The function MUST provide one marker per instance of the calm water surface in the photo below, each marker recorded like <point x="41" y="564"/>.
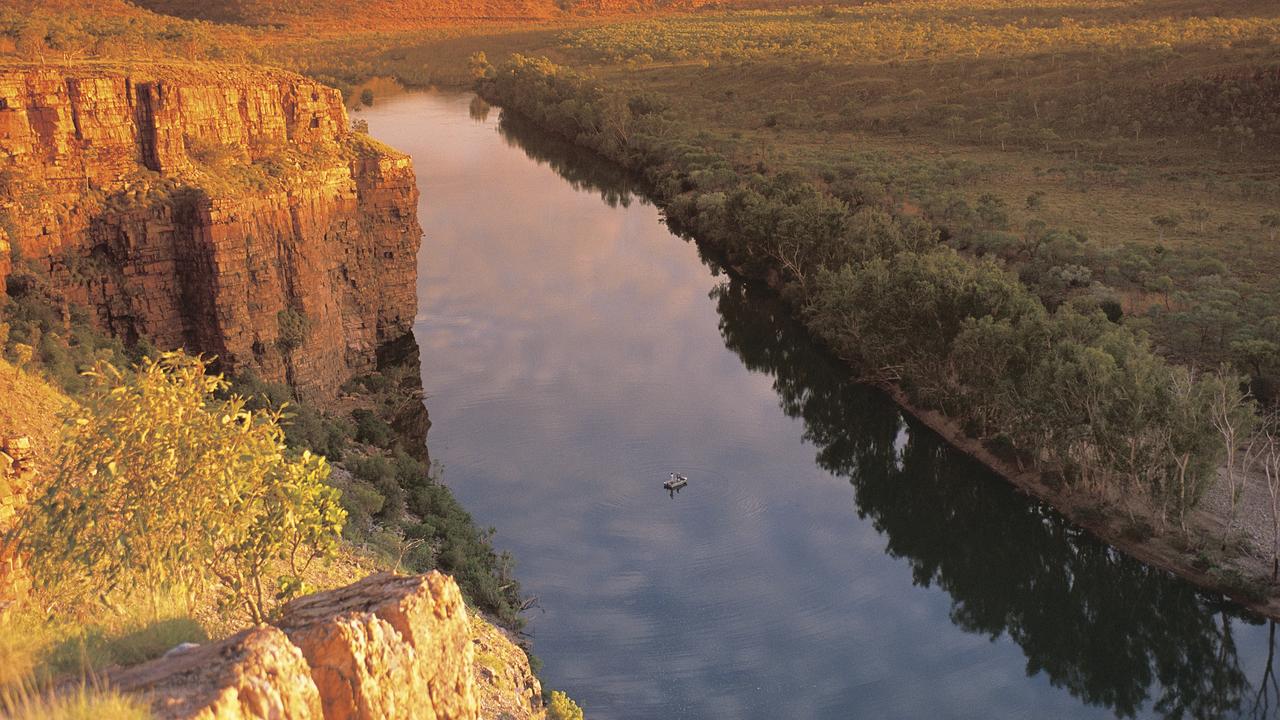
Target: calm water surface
<point x="829" y="558"/>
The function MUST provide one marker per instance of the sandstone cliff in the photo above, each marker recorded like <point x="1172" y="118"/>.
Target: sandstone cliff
<point x="385" y="647"/>
<point x="228" y="210"/>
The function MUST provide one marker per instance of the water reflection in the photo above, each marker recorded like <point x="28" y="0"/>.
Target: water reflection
<point x="1111" y="630"/>
<point x="583" y="170"/>
<point x="570" y="347"/>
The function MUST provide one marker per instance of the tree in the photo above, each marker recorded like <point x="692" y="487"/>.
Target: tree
<point x="160" y="485"/>
<point x="1191" y="446"/>
<point x="1263" y="453"/>
<point x="1165" y="223"/>
<point x="479" y="65"/>
<point x="992" y="211"/>
<point x="1199" y="215"/>
<point x="31" y="39"/>
<point x="1255" y="354"/>
<point x="1232" y="415"/>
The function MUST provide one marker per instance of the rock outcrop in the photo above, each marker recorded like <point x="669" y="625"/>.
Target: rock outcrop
<point x="387" y="647"/>
<point x="256" y="673"/>
<point x="506" y="688"/>
<point x="228" y="210"/>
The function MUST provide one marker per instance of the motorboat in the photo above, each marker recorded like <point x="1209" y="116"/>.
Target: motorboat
<point x="675" y="482"/>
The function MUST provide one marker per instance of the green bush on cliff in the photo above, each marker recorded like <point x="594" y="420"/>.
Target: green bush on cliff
<point x="294" y="327"/>
<point x="160" y="484"/>
<point x="304" y="426"/>
<point x="561" y="707"/>
<point x="63" y="341"/>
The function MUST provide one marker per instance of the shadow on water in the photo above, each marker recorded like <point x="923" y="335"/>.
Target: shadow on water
<point x="582" y="169"/>
<point x="1112" y="631"/>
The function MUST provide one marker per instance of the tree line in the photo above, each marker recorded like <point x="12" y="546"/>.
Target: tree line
<point x="1069" y="390"/>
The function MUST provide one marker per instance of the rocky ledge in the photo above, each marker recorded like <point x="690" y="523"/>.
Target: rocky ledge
<point x="385" y="647"/>
<point x="225" y="209"/>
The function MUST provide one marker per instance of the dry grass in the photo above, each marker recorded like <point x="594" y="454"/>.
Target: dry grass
<point x="30" y="406"/>
<point x="84" y="703"/>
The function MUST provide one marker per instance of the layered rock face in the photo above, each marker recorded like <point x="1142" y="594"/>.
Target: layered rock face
<point x="387" y="646"/>
<point x="226" y="210"/>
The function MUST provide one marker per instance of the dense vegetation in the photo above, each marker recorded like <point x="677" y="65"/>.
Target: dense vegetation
<point x="159" y="487"/>
<point x="1067" y="388"/>
<point x="396" y="505"/>
<point x="1011" y="568"/>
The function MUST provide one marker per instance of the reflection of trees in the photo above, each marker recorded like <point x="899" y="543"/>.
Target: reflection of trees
<point x="1111" y="630"/>
<point x="583" y="169"/>
<point x="1266" y="699"/>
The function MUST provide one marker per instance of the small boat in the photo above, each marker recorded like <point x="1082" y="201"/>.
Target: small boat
<point x="675" y="482"/>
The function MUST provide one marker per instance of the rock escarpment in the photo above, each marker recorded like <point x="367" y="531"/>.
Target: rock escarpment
<point x="228" y="210"/>
<point x="387" y="646"/>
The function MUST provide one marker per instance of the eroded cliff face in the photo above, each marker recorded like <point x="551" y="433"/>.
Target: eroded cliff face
<point x="228" y="210"/>
<point x="385" y="648"/>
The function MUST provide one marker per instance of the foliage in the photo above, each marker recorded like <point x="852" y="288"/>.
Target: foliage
<point x="294" y="329"/>
<point x="159" y="485"/>
<point x="372" y="429"/>
<point x="305" y="427"/>
<point x="1083" y="395"/>
<point x="561" y="707"/>
<point x="55" y="338"/>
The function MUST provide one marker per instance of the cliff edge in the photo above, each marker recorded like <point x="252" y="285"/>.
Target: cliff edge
<point x="386" y="647"/>
<point x="226" y="209"/>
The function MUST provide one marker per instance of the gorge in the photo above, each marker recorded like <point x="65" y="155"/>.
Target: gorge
<point x="574" y="350"/>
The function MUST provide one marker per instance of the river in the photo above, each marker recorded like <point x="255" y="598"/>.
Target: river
<point x="830" y="558"/>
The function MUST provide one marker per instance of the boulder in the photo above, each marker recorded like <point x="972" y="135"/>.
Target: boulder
<point x="388" y="647"/>
<point x="256" y="673"/>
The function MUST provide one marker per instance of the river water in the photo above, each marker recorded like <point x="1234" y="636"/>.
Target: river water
<point x="829" y="558"/>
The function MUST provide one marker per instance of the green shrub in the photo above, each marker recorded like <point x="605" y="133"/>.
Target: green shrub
<point x="372" y="429"/>
<point x="562" y="708"/>
<point x="160" y="484"/>
<point x="294" y="328"/>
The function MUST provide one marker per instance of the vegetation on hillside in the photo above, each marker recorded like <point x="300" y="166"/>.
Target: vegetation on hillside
<point x="159" y="486"/>
<point x="1109" y="152"/>
<point x="1067" y="388"/>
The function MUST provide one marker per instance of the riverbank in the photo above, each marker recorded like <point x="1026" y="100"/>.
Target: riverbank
<point x="1112" y="504"/>
<point x="1135" y="535"/>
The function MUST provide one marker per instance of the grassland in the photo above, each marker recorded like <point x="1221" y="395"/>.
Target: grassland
<point x="1147" y="129"/>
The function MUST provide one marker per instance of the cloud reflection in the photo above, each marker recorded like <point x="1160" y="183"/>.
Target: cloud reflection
<point x="573" y="355"/>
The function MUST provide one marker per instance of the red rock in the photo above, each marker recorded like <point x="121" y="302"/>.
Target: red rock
<point x="109" y="188"/>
